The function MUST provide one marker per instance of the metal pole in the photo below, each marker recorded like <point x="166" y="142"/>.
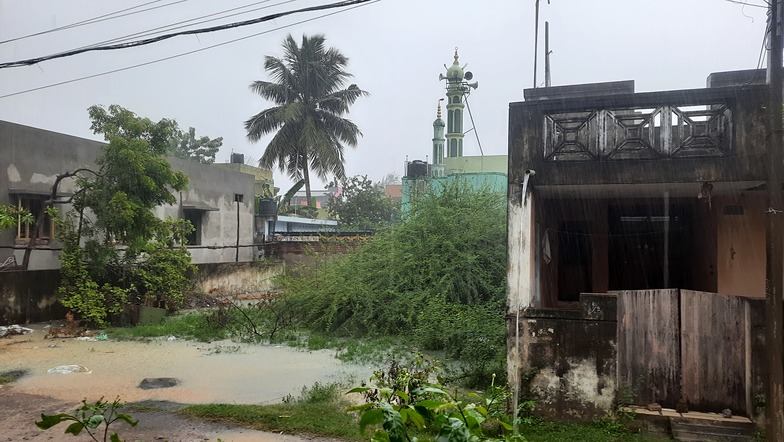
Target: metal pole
<point x="237" y="254"/>
<point x="547" y="54"/>
<point x="774" y="313"/>
<point x="536" y="39"/>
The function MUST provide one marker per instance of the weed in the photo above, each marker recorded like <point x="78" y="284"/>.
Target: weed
<point x="88" y="418"/>
<point x="320" y="393"/>
<point x="396" y="416"/>
<point x="193" y="325"/>
<point x="525" y="413"/>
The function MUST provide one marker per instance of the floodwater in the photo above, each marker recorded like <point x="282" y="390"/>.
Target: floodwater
<point x="219" y="372"/>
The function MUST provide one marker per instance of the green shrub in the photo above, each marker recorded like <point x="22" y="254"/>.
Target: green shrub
<point x="437" y="277"/>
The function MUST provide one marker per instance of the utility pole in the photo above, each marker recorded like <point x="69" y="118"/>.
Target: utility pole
<point x="774" y="311"/>
<point x="536" y="39"/>
<point x="547" y="54"/>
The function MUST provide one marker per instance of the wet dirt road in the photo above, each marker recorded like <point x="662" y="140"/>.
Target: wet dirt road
<point x="222" y="372"/>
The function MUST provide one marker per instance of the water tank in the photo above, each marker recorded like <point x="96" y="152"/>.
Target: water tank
<point x="416" y="169"/>
<point x="268" y="207"/>
<point x="237" y="158"/>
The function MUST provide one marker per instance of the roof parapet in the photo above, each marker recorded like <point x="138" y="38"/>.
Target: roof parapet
<point x="579" y="90"/>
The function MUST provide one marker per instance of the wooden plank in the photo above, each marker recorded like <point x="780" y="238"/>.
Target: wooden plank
<point x="649" y="346"/>
<point x="713" y="351"/>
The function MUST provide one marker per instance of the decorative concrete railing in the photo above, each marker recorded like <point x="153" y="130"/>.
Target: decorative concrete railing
<point x="623" y="133"/>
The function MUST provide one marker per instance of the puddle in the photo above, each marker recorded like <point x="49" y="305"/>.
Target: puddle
<point x="249" y="374"/>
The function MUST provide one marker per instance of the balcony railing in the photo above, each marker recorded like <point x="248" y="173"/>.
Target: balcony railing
<point x="625" y="133"/>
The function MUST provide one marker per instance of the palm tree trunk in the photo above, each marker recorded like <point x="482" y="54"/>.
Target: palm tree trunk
<point x="306" y="177"/>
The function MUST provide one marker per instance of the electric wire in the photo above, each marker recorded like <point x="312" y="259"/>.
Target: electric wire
<point x="97" y="19"/>
<point x="113" y="71"/>
<point x="173" y="26"/>
<point x="746" y="3"/>
<point x="148" y="41"/>
<point x="470" y="115"/>
<point x="760" y="59"/>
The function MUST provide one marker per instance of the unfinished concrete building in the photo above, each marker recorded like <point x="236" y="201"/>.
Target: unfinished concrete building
<point x="637" y="245"/>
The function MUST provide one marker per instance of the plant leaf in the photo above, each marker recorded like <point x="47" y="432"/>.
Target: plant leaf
<point x="50" y="420"/>
<point x="358" y="390"/>
<point x="393" y="423"/>
<point x="75" y="428"/>
<point x="370" y="417"/>
<point x="431" y="404"/>
<point x="95" y="420"/>
<point x="434" y="390"/>
<point x="415" y="417"/>
<point x="127" y="419"/>
<point x="402" y="395"/>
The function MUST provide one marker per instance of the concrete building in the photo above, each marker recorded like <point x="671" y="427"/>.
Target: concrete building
<point x="637" y="245"/>
<point x="219" y="201"/>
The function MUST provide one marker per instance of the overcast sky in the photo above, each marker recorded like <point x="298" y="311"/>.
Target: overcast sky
<point x="396" y="49"/>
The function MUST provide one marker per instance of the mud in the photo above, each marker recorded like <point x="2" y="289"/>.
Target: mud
<point x="222" y="372"/>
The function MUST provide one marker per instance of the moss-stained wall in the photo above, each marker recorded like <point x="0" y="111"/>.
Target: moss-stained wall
<point x="29" y="296"/>
<point x="234" y="278"/>
<point x="32" y="296"/>
<point x="572" y="356"/>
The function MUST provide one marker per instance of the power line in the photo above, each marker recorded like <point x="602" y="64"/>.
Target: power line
<point x="368" y="2"/>
<point x="32" y="61"/>
<point x="745" y="3"/>
<point x="97" y="19"/>
<point x="172" y="26"/>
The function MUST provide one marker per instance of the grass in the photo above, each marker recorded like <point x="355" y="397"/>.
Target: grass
<point x="317" y="419"/>
<point x="199" y="326"/>
<point x="189" y="326"/>
<point x="368" y="350"/>
<point x="320" y="410"/>
<point x="329" y="419"/>
<point x="610" y="431"/>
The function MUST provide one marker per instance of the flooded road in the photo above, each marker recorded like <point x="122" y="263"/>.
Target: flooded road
<point x="219" y="372"/>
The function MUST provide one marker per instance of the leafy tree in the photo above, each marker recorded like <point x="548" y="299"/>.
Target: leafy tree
<point x="307" y="119"/>
<point x="362" y="204"/>
<point x="123" y="251"/>
<point x="10" y="216"/>
<point x="187" y="146"/>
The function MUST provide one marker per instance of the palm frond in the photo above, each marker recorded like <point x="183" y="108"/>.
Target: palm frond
<point x="277" y="93"/>
<point x="265" y="122"/>
<point x="342" y="129"/>
<point x="338" y="102"/>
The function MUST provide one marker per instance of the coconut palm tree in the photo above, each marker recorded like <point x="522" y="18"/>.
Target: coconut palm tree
<point x="310" y="131"/>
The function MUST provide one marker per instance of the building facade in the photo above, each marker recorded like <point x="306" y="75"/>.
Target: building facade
<point x="636" y="244"/>
<point x="219" y="202"/>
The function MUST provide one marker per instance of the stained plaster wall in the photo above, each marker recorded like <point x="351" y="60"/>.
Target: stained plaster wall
<point x="30" y="162"/>
<point x="32" y="296"/>
<point x="214" y="188"/>
<point x="234" y="278"/>
<point x="569" y="356"/>
<point x="32" y="158"/>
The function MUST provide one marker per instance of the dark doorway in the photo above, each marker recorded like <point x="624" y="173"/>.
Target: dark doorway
<point x="575" y="262"/>
<point x="644" y="242"/>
